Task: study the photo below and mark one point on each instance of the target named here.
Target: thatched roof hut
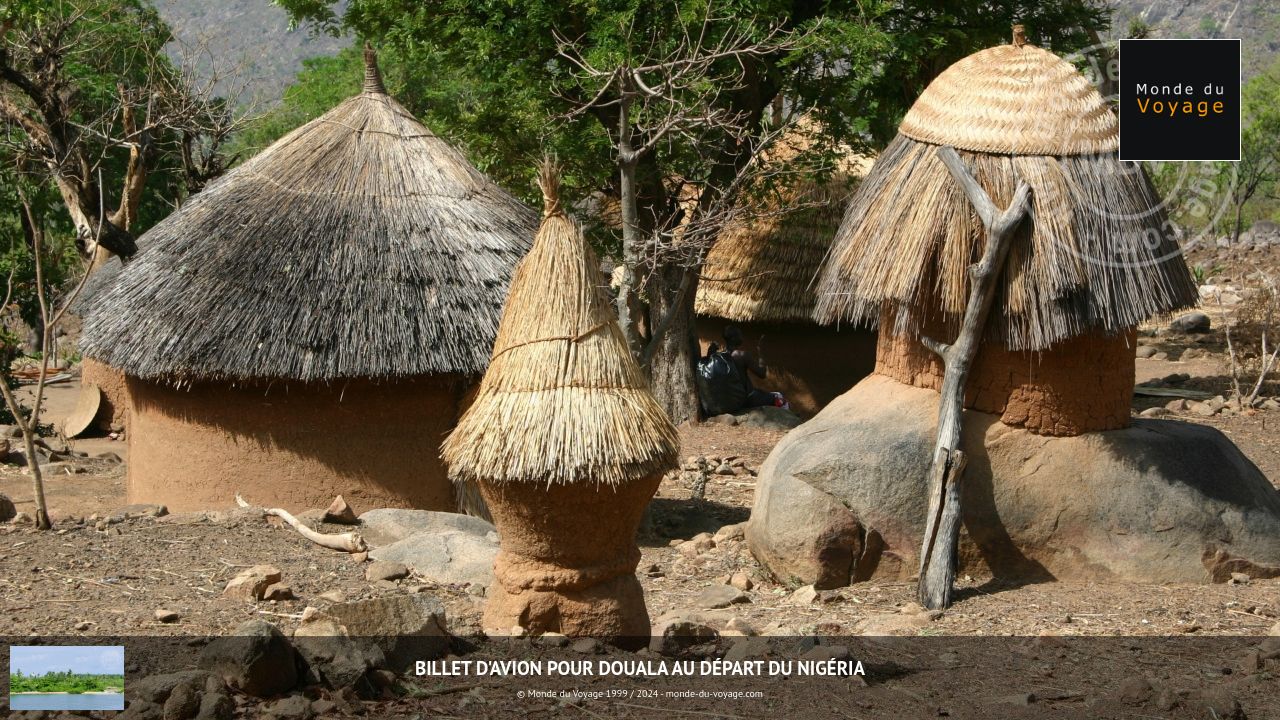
(759, 276)
(1094, 257)
(563, 400)
(1093, 260)
(349, 273)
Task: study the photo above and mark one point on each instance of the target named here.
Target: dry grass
(1082, 263)
(358, 246)
(1011, 99)
(563, 400)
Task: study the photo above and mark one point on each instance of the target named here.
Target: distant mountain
(1255, 22)
(250, 36)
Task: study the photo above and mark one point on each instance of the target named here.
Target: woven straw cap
(1016, 100)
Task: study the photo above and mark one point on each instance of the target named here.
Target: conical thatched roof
(1094, 256)
(761, 267)
(563, 400)
(359, 245)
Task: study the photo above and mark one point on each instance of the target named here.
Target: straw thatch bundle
(360, 245)
(761, 267)
(563, 400)
(1094, 256)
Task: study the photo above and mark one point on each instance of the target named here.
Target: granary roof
(563, 400)
(360, 245)
(1096, 253)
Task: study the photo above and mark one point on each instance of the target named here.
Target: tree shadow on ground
(667, 519)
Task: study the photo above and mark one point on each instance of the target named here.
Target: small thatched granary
(1061, 482)
(759, 274)
(1093, 261)
(309, 324)
(567, 446)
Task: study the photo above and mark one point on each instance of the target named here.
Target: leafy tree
(490, 75)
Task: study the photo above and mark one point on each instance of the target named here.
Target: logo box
(1180, 99)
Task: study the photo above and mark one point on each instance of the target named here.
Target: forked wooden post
(942, 527)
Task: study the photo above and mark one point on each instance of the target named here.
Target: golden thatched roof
(761, 268)
(358, 245)
(563, 400)
(1094, 255)
(1016, 100)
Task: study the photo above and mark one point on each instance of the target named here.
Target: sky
(86, 659)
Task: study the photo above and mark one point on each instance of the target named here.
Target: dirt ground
(84, 581)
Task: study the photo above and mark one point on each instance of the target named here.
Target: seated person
(724, 377)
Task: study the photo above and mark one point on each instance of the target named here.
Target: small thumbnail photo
(72, 677)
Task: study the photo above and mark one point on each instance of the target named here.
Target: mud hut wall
(810, 364)
(1080, 385)
(292, 445)
(114, 409)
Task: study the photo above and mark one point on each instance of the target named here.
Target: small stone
(7, 510)
(674, 633)
(1191, 323)
(251, 583)
(586, 646)
(278, 592)
(748, 648)
(741, 581)
(696, 545)
(359, 557)
(340, 513)
(1146, 351)
(1160, 356)
(1239, 578)
(1022, 699)
(1203, 409)
(385, 570)
(721, 596)
(294, 707)
(738, 626)
(82, 625)
(332, 596)
(256, 659)
(730, 532)
(806, 595)
(726, 469)
(723, 419)
(21, 518)
(1270, 404)
(1178, 405)
(1155, 412)
(552, 639)
(167, 616)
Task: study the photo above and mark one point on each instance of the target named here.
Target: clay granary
(1082, 272)
(310, 323)
(566, 444)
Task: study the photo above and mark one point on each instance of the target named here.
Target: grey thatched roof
(359, 245)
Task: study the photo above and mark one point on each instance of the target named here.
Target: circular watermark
(1153, 211)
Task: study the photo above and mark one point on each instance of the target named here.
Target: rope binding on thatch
(372, 75)
(564, 400)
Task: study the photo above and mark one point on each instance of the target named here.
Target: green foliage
(486, 74)
(64, 682)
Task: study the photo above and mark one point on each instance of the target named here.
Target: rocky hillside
(250, 38)
(1256, 22)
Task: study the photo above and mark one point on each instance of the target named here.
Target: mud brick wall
(1081, 385)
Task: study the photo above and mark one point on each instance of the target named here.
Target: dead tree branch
(942, 525)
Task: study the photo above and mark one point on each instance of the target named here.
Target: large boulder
(842, 498)
(385, 526)
(255, 659)
(449, 557)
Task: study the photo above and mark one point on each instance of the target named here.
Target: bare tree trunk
(673, 351)
(942, 525)
(627, 201)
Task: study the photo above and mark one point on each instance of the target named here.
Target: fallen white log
(350, 542)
